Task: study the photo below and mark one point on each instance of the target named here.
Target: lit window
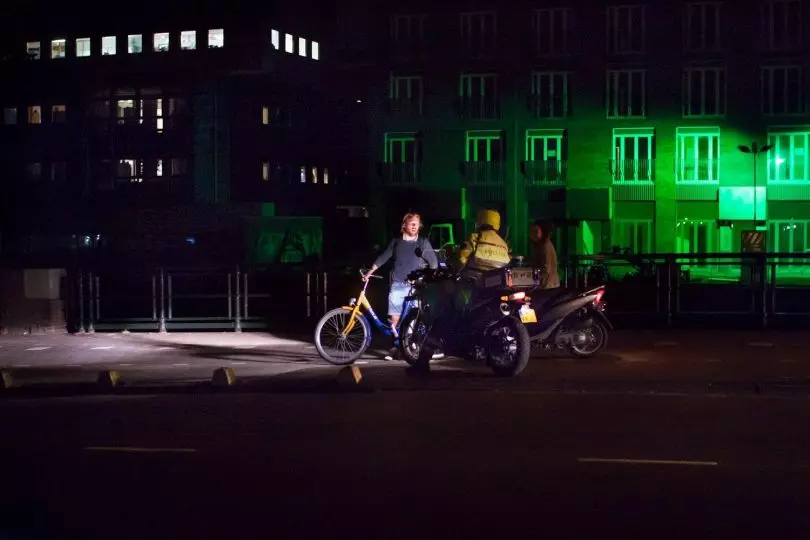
(159, 168)
(289, 45)
(216, 38)
(159, 115)
(303, 173)
(58, 48)
(161, 42)
(34, 114)
(326, 176)
(127, 111)
(10, 116)
(302, 47)
(188, 40)
(108, 46)
(265, 171)
(58, 114)
(314, 175)
(135, 43)
(315, 50)
(275, 39)
(33, 50)
(83, 47)
(265, 115)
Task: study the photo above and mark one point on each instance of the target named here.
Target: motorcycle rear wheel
(510, 340)
(410, 337)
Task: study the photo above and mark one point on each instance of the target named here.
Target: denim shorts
(396, 297)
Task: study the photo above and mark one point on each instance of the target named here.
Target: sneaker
(437, 356)
(393, 354)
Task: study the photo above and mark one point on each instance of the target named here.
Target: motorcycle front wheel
(411, 334)
(508, 347)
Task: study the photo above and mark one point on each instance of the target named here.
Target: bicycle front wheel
(336, 347)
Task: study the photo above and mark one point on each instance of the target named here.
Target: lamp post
(756, 150)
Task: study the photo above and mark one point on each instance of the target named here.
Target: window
(58, 171)
(782, 25)
(401, 148)
(626, 30)
(408, 33)
(34, 171)
(546, 154)
(326, 176)
(788, 159)
(83, 47)
(789, 236)
(702, 24)
(58, 114)
(289, 43)
(216, 38)
(405, 94)
(10, 116)
(781, 90)
(314, 173)
(704, 92)
(160, 42)
(108, 46)
(188, 40)
(634, 234)
(152, 113)
(33, 50)
(130, 170)
(698, 154)
(626, 93)
(484, 146)
(478, 32)
(633, 155)
(134, 43)
(129, 111)
(179, 167)
(275, 39)
(479, 96)
(697, 236)
(302, 47)
(58, 48)
(34, 114)
(265, 116)
(315, 50)
(550, 94)
(265, 171)
(551, 28)
(302, 174)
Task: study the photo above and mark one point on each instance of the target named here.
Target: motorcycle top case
(510, 277)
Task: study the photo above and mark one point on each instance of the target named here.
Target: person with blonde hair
(403, 250)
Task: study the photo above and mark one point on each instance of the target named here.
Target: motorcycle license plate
(527, 315)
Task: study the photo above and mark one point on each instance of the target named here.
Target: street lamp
(756, 150)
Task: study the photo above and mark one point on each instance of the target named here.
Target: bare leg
(394, 321)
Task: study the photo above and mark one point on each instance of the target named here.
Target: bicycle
(346, 319)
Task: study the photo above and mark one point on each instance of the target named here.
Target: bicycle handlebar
(371, 276)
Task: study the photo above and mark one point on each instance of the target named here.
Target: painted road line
(180, 365)
(124, 365)
(238, 363)
(107, 348)
(630, 461)
(38, 348)
(760, 344)
(136, 449)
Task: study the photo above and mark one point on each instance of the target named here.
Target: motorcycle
(488, 331)
(573, 321)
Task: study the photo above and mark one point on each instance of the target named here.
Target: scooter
(574, 321)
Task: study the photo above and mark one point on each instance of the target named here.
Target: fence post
(309, 296)
(324, 307)
(763, 267)
(237, 323)
(162, 323)
(82, 329)
(670, 264)
(92, 300)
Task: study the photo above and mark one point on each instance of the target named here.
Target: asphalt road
(409, 464)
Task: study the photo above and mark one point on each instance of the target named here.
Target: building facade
(620, 120)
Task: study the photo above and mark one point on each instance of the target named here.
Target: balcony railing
(483, 173)
(545, 172)
(405, 107)
(399, 174)
(632, 170)
(543, 107)
(484, 108)
(697, 170)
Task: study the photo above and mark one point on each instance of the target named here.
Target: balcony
(632, 170)
(548, 172)
(405, 108)
(542, 107)
(399, 174)
(697, 170)
(486, 177)
(483, 108)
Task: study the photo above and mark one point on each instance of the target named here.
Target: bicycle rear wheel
(335, 347)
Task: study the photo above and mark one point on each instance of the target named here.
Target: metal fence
(667, 289)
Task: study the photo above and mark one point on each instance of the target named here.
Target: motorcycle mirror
(418, 252)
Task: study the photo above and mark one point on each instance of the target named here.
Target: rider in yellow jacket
(485, 249)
